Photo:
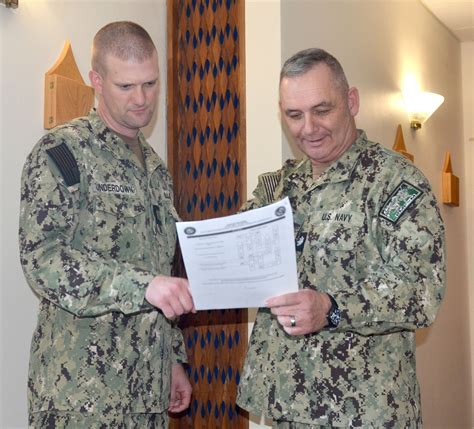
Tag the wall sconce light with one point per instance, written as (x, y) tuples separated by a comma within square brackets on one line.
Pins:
[(420, 106)]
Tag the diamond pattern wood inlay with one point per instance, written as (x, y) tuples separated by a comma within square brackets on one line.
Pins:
[(206, 156)]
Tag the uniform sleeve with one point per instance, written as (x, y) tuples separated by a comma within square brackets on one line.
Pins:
[(179, 350), (403, 269), (78, 281)]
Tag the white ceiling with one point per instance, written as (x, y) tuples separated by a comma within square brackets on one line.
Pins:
[(457, 15)]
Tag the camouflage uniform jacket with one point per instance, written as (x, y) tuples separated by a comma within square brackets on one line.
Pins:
[(95, 228), (369, 232)]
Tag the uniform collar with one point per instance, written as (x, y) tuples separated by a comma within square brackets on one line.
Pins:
[(340, 170), (112, 143), (152, 160)]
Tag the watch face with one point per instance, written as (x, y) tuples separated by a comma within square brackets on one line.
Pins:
[(335, 317)]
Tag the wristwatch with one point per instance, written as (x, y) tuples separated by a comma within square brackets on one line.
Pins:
[(334, 314)]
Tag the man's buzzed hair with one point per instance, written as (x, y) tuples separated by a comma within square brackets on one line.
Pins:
[(122, 39), (304, 61)]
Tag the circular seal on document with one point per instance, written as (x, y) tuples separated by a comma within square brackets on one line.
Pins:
[(190, 230), (280, 211)]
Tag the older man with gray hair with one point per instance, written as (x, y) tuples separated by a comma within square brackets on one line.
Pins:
[(369, 238)]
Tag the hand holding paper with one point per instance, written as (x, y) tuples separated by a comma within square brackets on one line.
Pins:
[(240, 260)]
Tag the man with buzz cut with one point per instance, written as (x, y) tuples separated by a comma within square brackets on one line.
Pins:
[(369, 241), (97, 240)]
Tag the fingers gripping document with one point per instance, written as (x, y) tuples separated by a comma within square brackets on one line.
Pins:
[(240, 260)]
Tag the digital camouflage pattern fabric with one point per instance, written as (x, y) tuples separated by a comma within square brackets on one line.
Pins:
[(95, 228), (387, 276), (83, 421)]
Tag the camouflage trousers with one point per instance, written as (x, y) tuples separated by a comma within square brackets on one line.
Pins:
[(65, 420), (296, 425)]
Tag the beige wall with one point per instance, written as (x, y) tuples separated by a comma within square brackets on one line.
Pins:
[(31, 38), (467, 50), (263, 60), (379, 42)]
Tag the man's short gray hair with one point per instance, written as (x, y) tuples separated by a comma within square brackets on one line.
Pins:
[(305, 60)]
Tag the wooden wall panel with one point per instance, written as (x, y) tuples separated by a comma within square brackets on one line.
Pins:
[(206, 157)]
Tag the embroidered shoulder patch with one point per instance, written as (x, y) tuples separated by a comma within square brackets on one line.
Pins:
[(66, 163), (270, 183), (398, 202)]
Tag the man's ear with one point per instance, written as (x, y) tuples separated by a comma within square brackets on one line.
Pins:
[(353, 101), (96, 81)]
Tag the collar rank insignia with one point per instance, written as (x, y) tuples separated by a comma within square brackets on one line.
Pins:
[(399, 200)]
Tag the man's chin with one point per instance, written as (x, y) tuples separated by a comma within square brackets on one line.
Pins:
[(140, 122)]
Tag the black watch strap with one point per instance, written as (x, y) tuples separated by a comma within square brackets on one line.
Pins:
[(334, 315)]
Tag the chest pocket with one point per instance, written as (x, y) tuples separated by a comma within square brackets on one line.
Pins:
[(117, 226), (330, 254), (165, 218)]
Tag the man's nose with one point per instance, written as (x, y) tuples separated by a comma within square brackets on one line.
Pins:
[(139, 96), (310, 124)]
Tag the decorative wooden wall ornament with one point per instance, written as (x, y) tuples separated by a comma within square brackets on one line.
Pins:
[(450, 183), (10, 3), (206, 157), (399, 145), (66, 96)]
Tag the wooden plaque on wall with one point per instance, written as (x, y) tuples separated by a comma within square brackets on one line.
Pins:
[(66, 96), (206, 157)]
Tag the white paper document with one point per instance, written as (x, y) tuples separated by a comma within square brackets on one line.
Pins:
[(239, 261)]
